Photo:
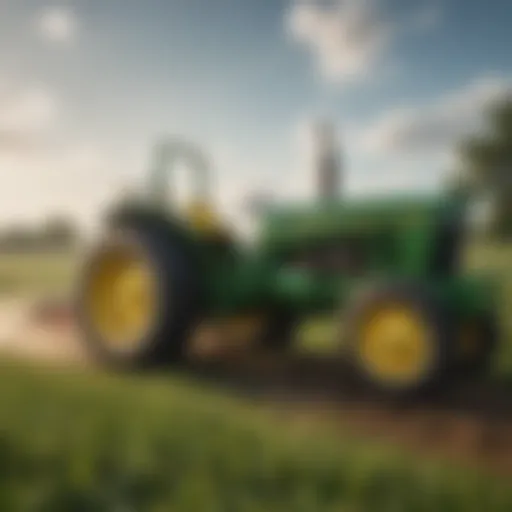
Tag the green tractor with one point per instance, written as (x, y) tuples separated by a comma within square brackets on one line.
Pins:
[(388, 268)]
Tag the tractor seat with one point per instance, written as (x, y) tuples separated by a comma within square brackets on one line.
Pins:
[(204, 220)]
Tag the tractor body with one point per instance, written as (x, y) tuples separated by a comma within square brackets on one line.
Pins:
[(392, 267), (310, 259)]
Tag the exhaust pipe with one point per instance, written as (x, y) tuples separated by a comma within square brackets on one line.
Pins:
[(327, 162)]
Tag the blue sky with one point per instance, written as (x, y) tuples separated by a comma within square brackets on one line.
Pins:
[(87, 85)]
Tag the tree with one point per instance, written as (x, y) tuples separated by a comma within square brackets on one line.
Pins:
[(17, 238), (487, 163)]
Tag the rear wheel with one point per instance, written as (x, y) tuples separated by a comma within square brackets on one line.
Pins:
[(398, 339), (136, 302)]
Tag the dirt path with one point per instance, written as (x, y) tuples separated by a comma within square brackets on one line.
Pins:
[(472, 423), (25, 332)]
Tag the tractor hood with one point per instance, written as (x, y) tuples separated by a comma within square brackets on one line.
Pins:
[(302, 220)]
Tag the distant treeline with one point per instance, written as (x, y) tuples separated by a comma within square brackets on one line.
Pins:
[(59, 233)]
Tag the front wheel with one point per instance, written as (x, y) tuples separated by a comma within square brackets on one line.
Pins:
[(399, 340)]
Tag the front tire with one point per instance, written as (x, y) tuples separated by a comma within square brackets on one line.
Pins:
[(137, 298), (399, 338)]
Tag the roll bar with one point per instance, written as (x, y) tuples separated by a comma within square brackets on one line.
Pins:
[(167, 153)]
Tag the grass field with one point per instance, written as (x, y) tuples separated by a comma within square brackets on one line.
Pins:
[(36, 272), (80, 442), (83, 442), (497, 260)]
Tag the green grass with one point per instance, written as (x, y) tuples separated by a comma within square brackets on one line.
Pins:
[(36, 272), (80, 442), (497, 260)]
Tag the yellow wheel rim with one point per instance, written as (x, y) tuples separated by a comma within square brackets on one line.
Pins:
[(395, 345), (121, 298)]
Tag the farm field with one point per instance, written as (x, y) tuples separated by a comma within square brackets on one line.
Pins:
[(36, 273), (81, 441), (76, 439)]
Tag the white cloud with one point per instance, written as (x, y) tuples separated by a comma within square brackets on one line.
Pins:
[(436, 127), (346, 37), (30, 109), (26, 116), (396, 178), (41, 170), (79, 180), (57, 24), (349, 38)]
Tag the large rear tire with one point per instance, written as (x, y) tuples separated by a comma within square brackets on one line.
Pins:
[(137, 298), (398, 340)]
